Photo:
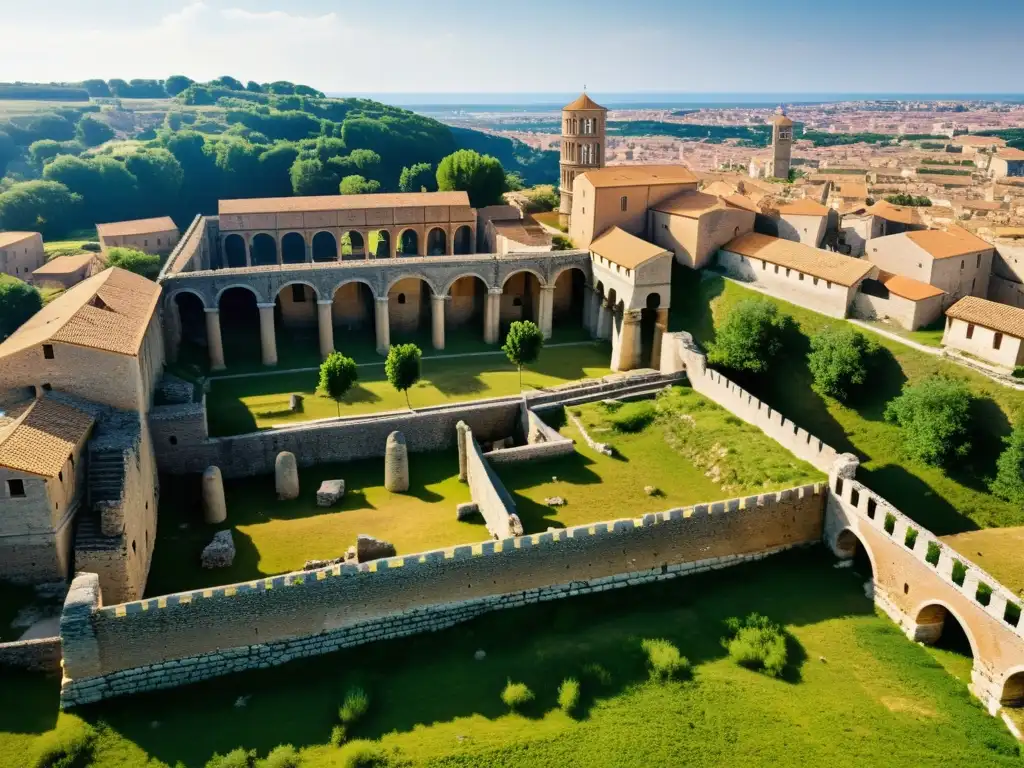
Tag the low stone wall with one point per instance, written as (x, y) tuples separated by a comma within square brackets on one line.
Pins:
[(679, 352), (543, 442), (41, 655), (176, 639), (488, 492)]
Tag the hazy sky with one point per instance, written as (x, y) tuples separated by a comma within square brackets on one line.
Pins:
[(847, 46)]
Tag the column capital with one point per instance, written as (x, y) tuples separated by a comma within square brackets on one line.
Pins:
[(381, 299), (266, 304), (212, 310), (324, 302), (494, 291), (549, 288), (435, 297)]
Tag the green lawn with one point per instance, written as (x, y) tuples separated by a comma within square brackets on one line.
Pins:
[(855, 692), (929, 335), (997, 550), (70, 246), (694, 451), (945, 502), (235, 405), (13, 597), (274, 536)]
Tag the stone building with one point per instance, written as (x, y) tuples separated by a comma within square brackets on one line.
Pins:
[(803, 221), (909, 303), (21, 253), (694, 225), (66, 271), (985, 329), (582, 147), (155, 236), (1008, 161), (782, 146), (862, 223)]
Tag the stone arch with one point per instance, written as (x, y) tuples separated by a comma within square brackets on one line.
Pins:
[(462, 241), (347, 280), (409, 299), (529, 270), (1011, 692), (226, 288), (569, 297), (190, 312), (414, 276), (930, 621), (324, 246), (293, 248), (235, 252), (179, 291), (295, 311), (263, 249), (437, 242), (379, 244), (848, 545), (520, 298), (240, 324), (448, 286), (408, 242), (467, 302), (353, 308), (353, 246), (313, 288)]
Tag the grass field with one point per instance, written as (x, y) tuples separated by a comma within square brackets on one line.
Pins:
[(855, 691), (235, 405), (930, 335), (681, 453), (274, 536), (946, 502), (997, 550), (70, 246)]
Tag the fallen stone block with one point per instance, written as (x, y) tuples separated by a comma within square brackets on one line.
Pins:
[(330, 492), (370, 548), (555, 501), (466, 510), (219, 553)]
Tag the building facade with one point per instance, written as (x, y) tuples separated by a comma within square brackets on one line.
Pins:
[(154, 236), (988, 330), (582, 147), (21, 253), (782, 145)]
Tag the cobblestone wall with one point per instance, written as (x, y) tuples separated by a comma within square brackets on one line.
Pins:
[(42, 655)]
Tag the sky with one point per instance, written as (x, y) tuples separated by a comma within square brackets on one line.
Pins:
[(486, 46)]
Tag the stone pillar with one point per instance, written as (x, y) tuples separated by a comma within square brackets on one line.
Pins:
[(604, 320), (214, 342), (461, 436), (215, 508), (492, 316), (421, 242), (449, 242), (392, 244), (268, 339), (547, 306), (437, 321), (286, 476), (396, 464), (77, 631), (660, 329), (248, 251), (326, 325), (383, 325), (626, 342)]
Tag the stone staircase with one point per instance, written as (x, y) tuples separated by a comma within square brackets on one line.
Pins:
[(105, 482)]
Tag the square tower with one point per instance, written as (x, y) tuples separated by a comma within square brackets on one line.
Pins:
[(583, 130), (782, 144)]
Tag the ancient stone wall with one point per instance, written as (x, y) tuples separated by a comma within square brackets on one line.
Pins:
[(542, 442), (41, 655), (489, 493), (176, 639)]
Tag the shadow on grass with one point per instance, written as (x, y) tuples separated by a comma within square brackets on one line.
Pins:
[(916, 498), (690, 308), (31, 702), (536, 516), (990, 427), (885, 382)]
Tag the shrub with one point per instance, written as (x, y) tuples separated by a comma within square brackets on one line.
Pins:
[(68, 746), (283, 756), (338, 735), (354, 706), (934, 552), (890, 522), (236, 758), (756, 642), (750, 337), (959, 573), (598, 674), (911, 538), (1011, 614), (934, 419), (516, 695), (569, 695), (561, 243), (633, 417), (134, 261), (665, 660), (362, 754), (1009, 480), (839, 360), (1018, 372), (984, 593)]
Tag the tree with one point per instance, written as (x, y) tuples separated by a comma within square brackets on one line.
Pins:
[(275, 169), (337, 375), (50, 126), (919, 201), (1009, 480), (934, 419), (135, 261), (160, 176), (402, 368), (109, 192), (97, 88), (417, 178), (39, 206), (839, 360), (253, 87), (479, 175), (8, 151), (750, 337), (92, 132), (514, 181), (358, 185), (311, 177), (43, 151), (18, 302), (175, 84), (523, 345), (226, 81)]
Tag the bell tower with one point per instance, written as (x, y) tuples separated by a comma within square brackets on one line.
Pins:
[(583, 130), (782, 144)]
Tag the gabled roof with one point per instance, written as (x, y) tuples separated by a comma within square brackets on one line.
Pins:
[(624, 249), (803, 207), (901, 214), (342, 202), (65, 265), (41, 439), (990, 314), (10, 238), (908, 287), (640, 175), (109, 311), (136, 227), (945, 245), (803, 258), (1010, 153), (581, 103)]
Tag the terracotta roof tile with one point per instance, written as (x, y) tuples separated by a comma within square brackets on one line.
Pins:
[(945, 245), (10, 238), (342, 202), (901, 214), (624, 249), (640, 175), (690, 204), (40, 441), (811, 261), (990, 314), (582, 102), (908, 287), (136, 227), (65, 265), (804, 207), (1010, 153)]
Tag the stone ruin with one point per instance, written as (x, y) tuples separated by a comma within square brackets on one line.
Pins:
[(286, 476), (466, 510), (330, 493), (396, 463), (219, 553), (215, 509)]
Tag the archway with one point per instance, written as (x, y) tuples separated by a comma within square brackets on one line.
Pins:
[(264, 250), (1013, 690), (295, 321), (437, 242), (325, 247), (648, 330), (234, 252), (520, 299), (464, 312), (240, 326), (463, 241), (380, 244), (408, 243), (409, 311), (192, 345), (293, 248), (848, 546), (352, 312), (352, 246), (569, 301), (939, 626)]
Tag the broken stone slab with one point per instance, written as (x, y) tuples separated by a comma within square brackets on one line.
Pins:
[(371, 548), (555, 501), (466, 510), (330, 492), (219, 553)]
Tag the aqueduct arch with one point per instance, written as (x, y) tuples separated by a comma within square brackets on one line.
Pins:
[(263, 250), (324, 247), (293, 248), (235, 252)]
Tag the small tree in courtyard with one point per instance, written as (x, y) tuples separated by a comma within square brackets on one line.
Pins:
[(523, 345), (1009, 480), (934, 417), (751, 335), (337, 375), (18, 302), (839, 360), (403, 368)]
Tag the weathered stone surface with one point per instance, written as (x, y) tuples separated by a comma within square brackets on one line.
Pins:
[(286, 476), (370, 548), (330, 492), (215, 508), (294, 402), (845, 466), (396, 463), (555, 501), (466, 510), (219, 553)]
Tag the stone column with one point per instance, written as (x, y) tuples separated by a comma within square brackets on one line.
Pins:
[(604, 320), (591, 310), (626, 342), (449, 242), (214, 342), (326, 325), (492, 316), (383, 325), (421, 242), (248, 251), (215, 509), (660, 329), (547, 306), (268, 340), (392, 244), (461, 430), (437, 321)]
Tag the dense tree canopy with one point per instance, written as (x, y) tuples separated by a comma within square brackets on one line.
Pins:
[(934, 419), (1009, 480), (39, 206), (18, 302), (839, 360), (135, 261), (175, 84), (751, 336), (159, 176), (481, 176), (417, 178), (92, 132), (108, 190)]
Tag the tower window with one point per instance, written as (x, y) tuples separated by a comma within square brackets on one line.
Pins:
[(623, 203), (48, 351), (16, 489)]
